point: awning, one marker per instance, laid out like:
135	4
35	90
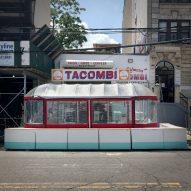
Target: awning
46	42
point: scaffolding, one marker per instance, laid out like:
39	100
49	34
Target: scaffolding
8	104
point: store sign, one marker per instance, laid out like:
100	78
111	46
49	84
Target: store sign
127	74
57	75
6	53
94	75
87	64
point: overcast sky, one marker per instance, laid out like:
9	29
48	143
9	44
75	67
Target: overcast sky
102	14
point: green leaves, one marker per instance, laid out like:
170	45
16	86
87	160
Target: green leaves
67	24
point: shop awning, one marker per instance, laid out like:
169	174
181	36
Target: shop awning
90	91
46	42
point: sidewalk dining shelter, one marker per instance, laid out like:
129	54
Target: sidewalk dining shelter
129	105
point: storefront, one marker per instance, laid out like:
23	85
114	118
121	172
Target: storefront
101	68
90	106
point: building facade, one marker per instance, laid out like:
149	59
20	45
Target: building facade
26	56
101	68
165	26
163	20
19	19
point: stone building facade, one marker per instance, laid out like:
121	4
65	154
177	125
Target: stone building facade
162	21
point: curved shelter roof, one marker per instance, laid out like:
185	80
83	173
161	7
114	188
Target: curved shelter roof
89	91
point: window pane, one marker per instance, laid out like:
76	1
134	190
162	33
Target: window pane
34	111
38	111
82	112
173	26
27	111
67	112
162	37
185	27
162	30
112	112
185	35
52	108
163	26
120	112
173	36
145	111
100	109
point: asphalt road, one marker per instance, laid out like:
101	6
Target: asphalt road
136	171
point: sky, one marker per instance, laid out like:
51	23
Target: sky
102	14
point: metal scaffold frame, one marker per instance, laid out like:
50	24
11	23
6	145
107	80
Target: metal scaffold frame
3	109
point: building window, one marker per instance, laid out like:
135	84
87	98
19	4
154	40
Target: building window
174	1
173	30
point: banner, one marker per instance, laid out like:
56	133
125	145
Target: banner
81	64
126	74
6	53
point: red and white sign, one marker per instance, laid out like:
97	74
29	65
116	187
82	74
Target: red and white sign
57	75
127	74
124	74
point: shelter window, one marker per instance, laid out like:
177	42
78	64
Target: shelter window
145	111
34	111
67	112
112	112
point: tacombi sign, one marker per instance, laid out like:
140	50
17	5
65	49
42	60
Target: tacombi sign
90	75
127	74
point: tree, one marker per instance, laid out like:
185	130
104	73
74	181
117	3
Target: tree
67	25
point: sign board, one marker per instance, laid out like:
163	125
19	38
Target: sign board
126	74
6	53
87	64
25	57
57	75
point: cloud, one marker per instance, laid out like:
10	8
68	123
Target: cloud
98	39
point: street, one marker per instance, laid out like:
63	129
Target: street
139	171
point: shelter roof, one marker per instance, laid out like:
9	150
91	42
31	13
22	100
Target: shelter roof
89	91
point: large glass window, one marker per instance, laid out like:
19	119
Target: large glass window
67	112
34	111
145	111
162	31
185	29
174	30
112	112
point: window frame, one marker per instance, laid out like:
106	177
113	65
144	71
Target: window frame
30	122
179	31
109	124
